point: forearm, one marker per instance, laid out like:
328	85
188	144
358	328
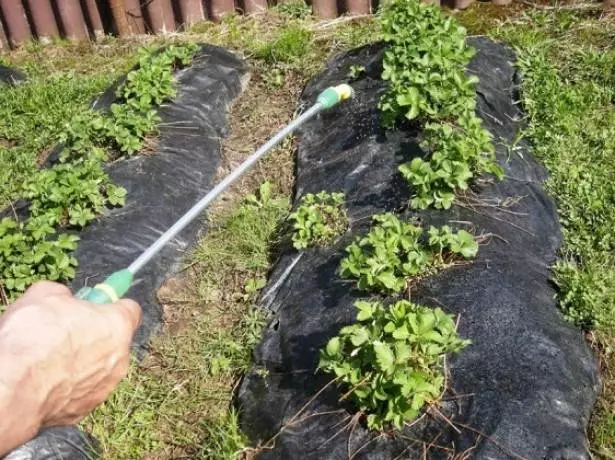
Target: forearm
20	405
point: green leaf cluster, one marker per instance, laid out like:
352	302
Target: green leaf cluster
425	63
76	189
425	66
390	362
28	253
458	153
319	219
394	251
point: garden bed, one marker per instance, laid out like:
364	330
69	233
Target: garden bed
525	386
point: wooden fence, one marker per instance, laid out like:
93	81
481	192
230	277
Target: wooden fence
23	20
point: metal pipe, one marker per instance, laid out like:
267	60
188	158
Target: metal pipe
162	19
72	19
194	212
43	19
192	11
134	14
16	21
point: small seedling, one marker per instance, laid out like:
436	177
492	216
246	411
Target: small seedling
263	197
391	362
274	79
355	72
252	287
319	219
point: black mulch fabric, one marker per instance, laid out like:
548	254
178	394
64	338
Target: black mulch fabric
526	385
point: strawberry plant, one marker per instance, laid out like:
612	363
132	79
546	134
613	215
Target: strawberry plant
28	253
391	362
425	66
319	219
394	251
458	153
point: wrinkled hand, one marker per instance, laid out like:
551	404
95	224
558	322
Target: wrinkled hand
60	357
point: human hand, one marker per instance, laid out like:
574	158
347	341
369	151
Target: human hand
60	357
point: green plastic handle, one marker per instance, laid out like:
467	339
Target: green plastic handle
110	290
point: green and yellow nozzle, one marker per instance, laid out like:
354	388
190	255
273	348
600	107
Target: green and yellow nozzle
334	95
118	283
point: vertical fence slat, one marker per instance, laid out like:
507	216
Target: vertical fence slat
118	11
161	16
43	18
358	6
254	6
72	19
4	42
17	27
220	7
134	14
324	9
461	4
192	11
93	15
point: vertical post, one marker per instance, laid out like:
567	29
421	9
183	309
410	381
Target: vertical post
94	18
43	18
220	7
72	18
192	11
358	6
324	9
17	27
254	6
161	16
4	42
118	11
134	14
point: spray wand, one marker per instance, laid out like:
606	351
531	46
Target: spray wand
118	283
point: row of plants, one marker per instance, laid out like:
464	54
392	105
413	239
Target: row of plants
76	190
425	65
391	361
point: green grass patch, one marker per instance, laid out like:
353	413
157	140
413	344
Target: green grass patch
32	117
290	46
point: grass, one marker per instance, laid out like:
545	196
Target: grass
567	62
62	81
176	402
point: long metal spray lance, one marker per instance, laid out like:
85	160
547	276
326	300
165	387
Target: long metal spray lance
118	283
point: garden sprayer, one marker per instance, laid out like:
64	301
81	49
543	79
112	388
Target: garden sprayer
118	283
